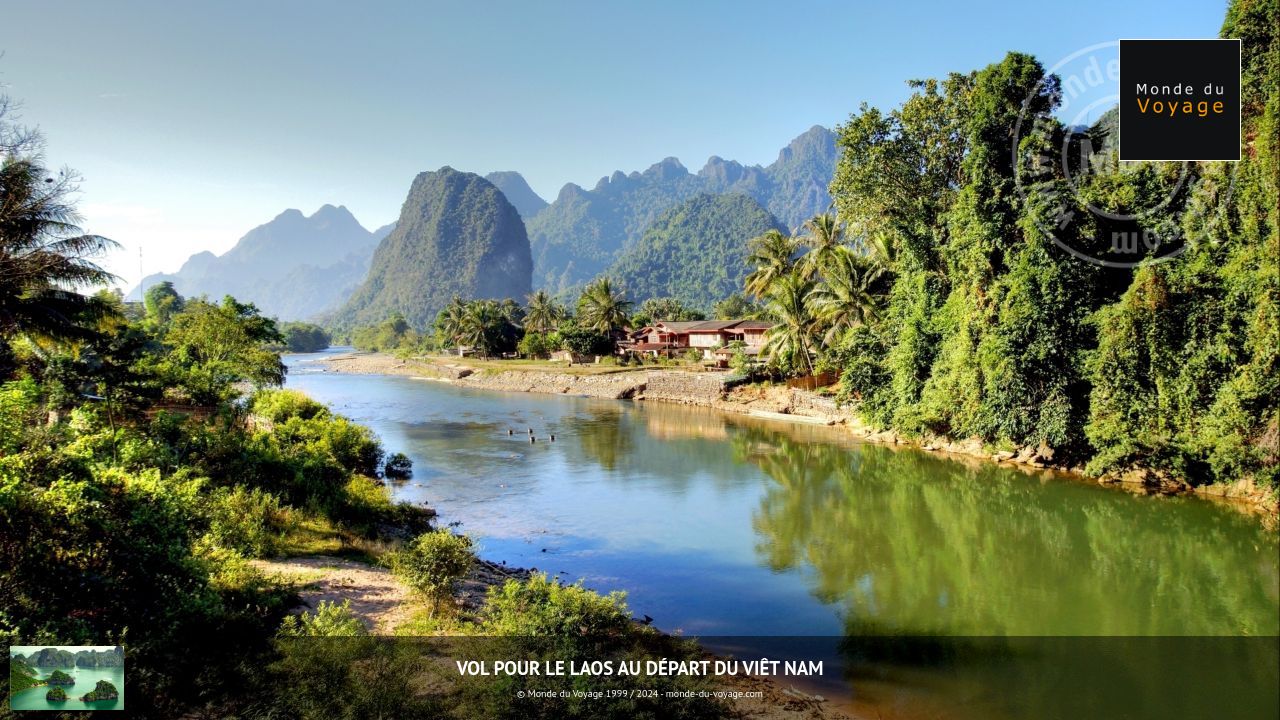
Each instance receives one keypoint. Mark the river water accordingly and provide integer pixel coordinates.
(927, 581)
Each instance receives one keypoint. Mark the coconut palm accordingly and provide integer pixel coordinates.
(793, 331)
(846, 297)
(602, 307)
(773, 255)
(45, 257)
(482, 324)
(450, 321)
(543, 313)
(823, 235)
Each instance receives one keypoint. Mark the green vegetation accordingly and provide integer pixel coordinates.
(300, 337)
(583, 232)
(693, 252)
(21, 675)
(56, 694)
(433, 562)
(57, 677)
(956, 315)
(457, 236)
(104, 690)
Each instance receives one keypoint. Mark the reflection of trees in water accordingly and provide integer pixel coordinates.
(909, 543)
(667, 444)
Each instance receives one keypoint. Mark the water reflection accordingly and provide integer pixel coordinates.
(906, 543)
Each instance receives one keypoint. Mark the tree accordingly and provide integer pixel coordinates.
(789, 342)
(665, 308)
(773, 255)
(44, 255)
(543, 314)
(823, 235)
(485, 327)
(215, 346)
(449, 321)
(846, 297)
(602, 307)
(162, 302)
(735, 307)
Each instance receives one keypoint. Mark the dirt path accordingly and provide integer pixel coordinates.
(380, 600)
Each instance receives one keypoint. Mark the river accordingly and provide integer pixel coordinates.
(932, 584)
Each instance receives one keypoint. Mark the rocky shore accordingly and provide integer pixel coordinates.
(709, 389)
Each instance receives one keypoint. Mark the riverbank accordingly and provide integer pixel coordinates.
(776, 402)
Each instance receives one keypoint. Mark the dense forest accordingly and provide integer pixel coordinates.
(694, 251)
(987, 329)
(584, 231)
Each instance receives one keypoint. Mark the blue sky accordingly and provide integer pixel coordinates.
(193, 122)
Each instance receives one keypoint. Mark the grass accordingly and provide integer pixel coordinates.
(318, 536)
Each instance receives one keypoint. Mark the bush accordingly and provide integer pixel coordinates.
(329, 619)
(543, 607)
(398, 466)
(433, 562)
(248, 520)
(536, 345)
(280, 405)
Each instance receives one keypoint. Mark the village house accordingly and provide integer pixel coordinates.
(710, 337)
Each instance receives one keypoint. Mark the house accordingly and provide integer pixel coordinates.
(667, 338)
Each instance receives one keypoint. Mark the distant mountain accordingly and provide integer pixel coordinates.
(293, 267)
(512, 184)
(457, 235)
(583, 231)
(695, 252)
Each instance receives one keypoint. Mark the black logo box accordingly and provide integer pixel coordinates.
(1177, 72)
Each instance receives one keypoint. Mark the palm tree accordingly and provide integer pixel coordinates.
(773, 255)
(793, 330)
(846, 297)
(481, 325)
(602, 307)
(45, 257)
(450, 320)
(543, 313)
(823, 235)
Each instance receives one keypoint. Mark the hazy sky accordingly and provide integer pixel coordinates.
(193, 122)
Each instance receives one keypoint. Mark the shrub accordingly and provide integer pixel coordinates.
(56, 694)
(543, 607)
(398, 466)
(280, 405)
(248, 520)
(433, 562)
(329, 619)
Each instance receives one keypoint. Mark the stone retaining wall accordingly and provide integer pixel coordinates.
(617, 386)
(688, 388)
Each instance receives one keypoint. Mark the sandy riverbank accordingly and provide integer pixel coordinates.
(765, 401)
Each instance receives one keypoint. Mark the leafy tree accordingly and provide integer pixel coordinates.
(602, 307)
(434, 562)
(736, 307)
(301, 337)
(215, 346)
(162, 301)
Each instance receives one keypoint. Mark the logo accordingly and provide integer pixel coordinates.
(1118, 213)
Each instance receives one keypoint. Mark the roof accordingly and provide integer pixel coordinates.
(712, 326)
